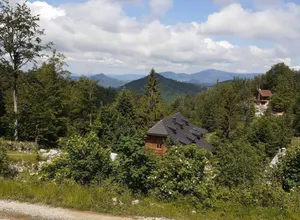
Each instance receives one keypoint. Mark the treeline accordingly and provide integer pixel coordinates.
(52, 106)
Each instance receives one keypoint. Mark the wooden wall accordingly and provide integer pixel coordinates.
(154, 142)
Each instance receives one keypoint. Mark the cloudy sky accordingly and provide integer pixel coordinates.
(132, 36)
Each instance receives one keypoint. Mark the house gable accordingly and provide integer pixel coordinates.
(180, 130)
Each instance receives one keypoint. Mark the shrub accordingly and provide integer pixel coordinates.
(134, 164)
(289, 167)
(183, 172)
(5, 169)
(239, 163)
(84, 161)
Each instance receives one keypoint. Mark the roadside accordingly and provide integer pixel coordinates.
(16, 210)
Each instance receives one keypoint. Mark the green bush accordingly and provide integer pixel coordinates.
(5, 169)
(289, 168)
(184, 173)
(84, 161)
(238, 163)
(134, 164)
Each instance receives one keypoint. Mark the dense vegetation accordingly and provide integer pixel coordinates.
(88, 122)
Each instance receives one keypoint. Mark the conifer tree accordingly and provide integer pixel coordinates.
(152, 98)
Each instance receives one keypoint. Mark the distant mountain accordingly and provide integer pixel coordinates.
(176, 76)
(103, 80)
(126, 77)
(170, 88)
(106, 81)
(207, 77)
(203, 78)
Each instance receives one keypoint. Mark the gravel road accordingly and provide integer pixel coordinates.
(23, 211)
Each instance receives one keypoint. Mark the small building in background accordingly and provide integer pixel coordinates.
(179, 130)
(264, 96)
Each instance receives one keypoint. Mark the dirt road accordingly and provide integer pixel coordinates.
(16, 211)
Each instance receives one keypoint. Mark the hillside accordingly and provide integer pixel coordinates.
(126, 77)
(207, 77)
(106, 81)
(170, 89)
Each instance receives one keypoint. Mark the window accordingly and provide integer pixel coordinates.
(159, 146)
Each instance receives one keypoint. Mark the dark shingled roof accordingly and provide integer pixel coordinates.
(179, 129)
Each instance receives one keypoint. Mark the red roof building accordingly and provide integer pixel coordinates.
(264, 96)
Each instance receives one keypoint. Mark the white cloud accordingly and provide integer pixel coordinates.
(296, 68)
(270, 24)
(46, 11)
(160, 7)
(98, 36)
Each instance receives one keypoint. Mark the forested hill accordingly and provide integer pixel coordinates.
(170, 89)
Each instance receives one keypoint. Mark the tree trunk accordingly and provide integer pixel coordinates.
(15, 97)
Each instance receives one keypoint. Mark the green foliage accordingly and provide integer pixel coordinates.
(41, 102)
(271, 132)
(238, 163)
(182, 173)
(20, 43)
(224, 107)
(281, 80)
(113, 127)
(5, 169)
(134, 164)
(3, 160)
(84, 100)
(153, 106)
(125, 104)
(290, 166)
(296, 122)
(83, 161)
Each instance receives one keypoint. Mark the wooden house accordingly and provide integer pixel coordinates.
(263, 96)
(179, 130)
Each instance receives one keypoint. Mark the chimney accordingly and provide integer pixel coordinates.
(174, 120)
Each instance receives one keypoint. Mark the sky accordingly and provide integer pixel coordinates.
(184, 36)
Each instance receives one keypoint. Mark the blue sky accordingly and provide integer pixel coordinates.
(132, 36)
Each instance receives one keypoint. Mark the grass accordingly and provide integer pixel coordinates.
(100, 199)
(28, 157)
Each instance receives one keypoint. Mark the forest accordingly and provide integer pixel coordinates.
(43, 108)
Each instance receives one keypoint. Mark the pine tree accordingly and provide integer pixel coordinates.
(153, 100)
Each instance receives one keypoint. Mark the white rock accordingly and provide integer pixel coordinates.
(135, 202)
(113, 156)
(115, 201)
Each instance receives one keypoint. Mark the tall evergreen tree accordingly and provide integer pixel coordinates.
(153, 101)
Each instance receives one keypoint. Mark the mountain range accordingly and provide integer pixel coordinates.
(204, 78)
(207, 77)
(170, 89)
